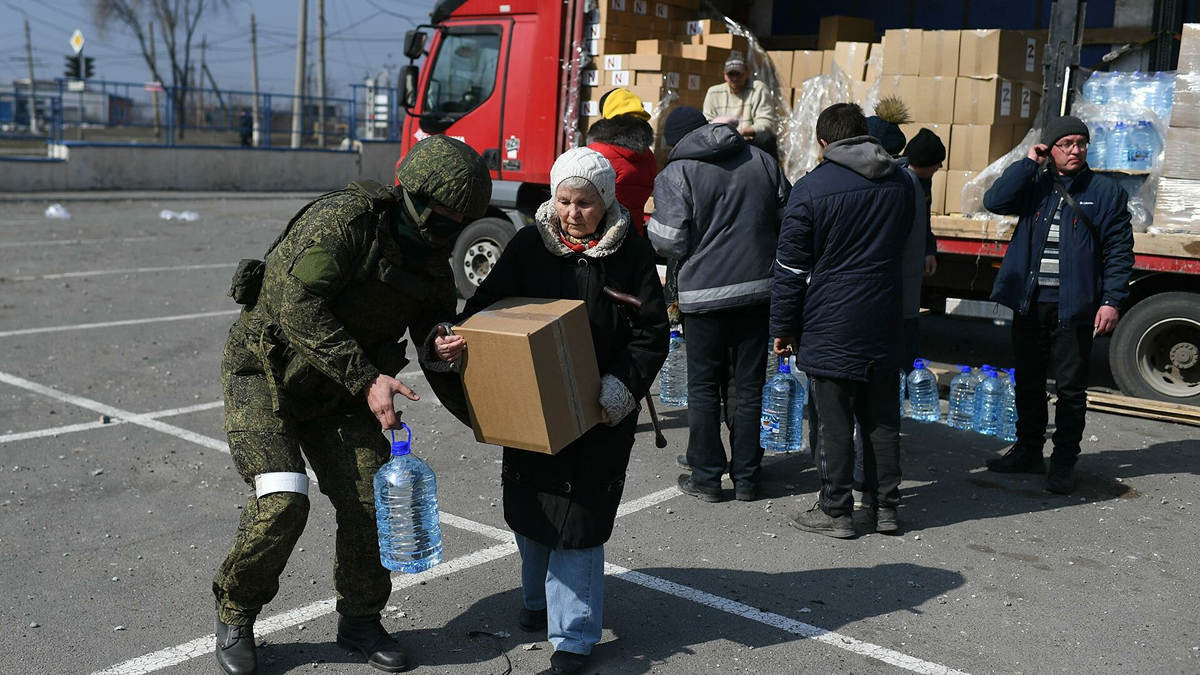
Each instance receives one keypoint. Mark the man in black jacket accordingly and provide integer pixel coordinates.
(717, 205)
(836, 302)
(1065, 275)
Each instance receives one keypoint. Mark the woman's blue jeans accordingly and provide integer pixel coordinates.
(569, 585)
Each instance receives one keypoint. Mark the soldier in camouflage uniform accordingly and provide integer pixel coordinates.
(307, 370)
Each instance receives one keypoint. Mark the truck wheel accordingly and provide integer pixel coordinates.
(477, 249)
(1155, 352)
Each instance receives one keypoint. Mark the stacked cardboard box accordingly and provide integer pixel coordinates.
(978, 90)
(1179, 187)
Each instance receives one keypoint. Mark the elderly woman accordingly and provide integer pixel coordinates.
(562, 506)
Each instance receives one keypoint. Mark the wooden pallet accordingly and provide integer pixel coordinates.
(958, 227)
(1117, 404)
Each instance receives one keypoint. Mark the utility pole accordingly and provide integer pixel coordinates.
(154, 94)
(298, 101)
(254, 77)
(320, 70)
(33, 125)
(200, 81)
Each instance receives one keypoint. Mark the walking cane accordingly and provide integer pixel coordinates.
(626, 299)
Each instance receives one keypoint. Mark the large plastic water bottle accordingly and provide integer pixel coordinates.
(1099, 144)
(923, 393)
(406, 511)
(673, 378)
(961, 413)
(1096, 88)
(1115, 151)
(782, 419)
(1140, 146)
(988, 403)
(1164, 95)
(1008, 411)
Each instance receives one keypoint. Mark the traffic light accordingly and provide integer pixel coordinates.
(88, 71)
(73, 67)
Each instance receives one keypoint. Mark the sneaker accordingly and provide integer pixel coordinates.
(817, 521)
(686, 487)
(1061, 479)
(745, 492)
(1018, 460)
(567, 662)
(681, 462)
(886, 521)
(532, 620)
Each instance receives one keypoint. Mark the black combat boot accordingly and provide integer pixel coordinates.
(235, 649)
(1018, 460)
(532, 620)
(567, 662)
(817, 521)
(1061, 479)
(369, 637)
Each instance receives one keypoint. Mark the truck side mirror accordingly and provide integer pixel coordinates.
(408, 86)
(414, 43)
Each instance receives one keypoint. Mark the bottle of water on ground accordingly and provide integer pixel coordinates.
(782, 425)
(673, 378)
(406, 511)
(1008, 412)
(988, 403)
(923, 393)
(961, 413)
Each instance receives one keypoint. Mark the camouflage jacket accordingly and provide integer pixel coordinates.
(340, 289)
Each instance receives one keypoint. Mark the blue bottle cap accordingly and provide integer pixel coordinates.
(674, 333)
(964, 369)
(920, 363)
(992, 373)
(401, 447)
(986, 368)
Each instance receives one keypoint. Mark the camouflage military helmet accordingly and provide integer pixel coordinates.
(449, 172)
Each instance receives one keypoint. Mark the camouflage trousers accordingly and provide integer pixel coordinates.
(344, 451)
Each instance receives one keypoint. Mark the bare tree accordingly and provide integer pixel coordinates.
(177, 22)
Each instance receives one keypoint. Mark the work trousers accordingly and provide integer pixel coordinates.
(569, 584)
(837, 404)
(1039, 341)
(345, 452)
(714, 340)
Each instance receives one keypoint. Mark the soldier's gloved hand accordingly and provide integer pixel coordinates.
(380, 393)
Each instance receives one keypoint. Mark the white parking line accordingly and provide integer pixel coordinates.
(73, 242)
(87, 426)
(132, 270)
(110, 324)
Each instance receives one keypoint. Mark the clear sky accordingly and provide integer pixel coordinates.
(362, 36)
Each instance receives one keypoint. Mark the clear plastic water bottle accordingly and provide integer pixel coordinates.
(1096, 88)
(988, 403)
(961, 412)
(796, 426)
(1116, 147)
(673, 378)
(1164, 95)
(406, 511)
(903, 391)
(1008, 411)
(781, 428)
(923, 393)
(1099, 144)
(1139, 147)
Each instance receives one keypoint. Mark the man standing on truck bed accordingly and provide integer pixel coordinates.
(747, 100)
(1065, 276)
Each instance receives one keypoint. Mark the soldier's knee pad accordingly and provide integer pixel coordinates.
(285, 491)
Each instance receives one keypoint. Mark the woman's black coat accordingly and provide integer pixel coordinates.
(571, 498)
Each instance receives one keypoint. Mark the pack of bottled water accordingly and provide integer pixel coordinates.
(1124, 136)
(406, 511)
(782, 418)
(673, 378)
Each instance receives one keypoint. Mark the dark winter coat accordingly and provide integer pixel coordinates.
(717, 207)
(837, 269)
(920, 243)
(1091, 273)
(625, 142)
(572, 497)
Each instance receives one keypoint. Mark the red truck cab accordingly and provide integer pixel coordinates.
(501, 76)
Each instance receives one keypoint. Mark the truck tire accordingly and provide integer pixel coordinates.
(477, 249)
(1155, 352)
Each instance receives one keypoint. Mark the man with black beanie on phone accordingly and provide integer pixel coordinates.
(1065, 275)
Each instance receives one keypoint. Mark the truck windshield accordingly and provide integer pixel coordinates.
(464, 72)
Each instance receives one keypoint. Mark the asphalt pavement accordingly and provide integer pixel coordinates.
(118, 500)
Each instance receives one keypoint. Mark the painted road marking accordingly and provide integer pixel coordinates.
(132, 270)
(88, 426)
(110, 324)
(73, 242)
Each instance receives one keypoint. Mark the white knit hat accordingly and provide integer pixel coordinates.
(589, 165)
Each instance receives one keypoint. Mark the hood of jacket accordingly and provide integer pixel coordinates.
(622, 131)
(615, 226)
(710, 142)
(862, 155)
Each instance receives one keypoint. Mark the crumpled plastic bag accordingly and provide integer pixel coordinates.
(57, 212)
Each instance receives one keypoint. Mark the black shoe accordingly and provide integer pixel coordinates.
(567, 662)
(817, 521)
(532, 620)
(1061, 479)
(681, 462)
(1018, 460)
(235, 649)
(368, 637)
(686, 487)
(886, 521)
(745, 492)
